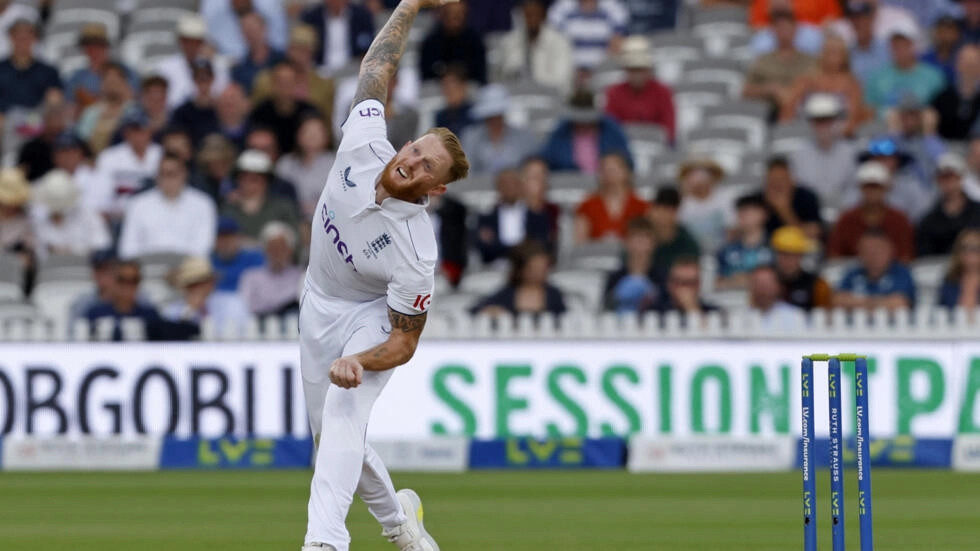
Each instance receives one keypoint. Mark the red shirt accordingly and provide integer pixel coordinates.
(814, 12)
(602, 224)
(653, 104)
(851, 225)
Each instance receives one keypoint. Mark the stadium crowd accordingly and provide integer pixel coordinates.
(213, 146)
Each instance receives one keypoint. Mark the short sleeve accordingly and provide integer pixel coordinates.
(365, 124)
(847, 282)
(410, 292)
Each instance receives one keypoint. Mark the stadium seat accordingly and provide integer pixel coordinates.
(735, 300)
(159, 14)
(607, 73)
(671, 50)
(133, 48)
(833, 270)
(754, 163)
(455, 305)
(159, 265)
(747, 115)
(93, 12)
(594, 256)
(54, 298)
(930, 271)
(725, 145)
(152, 25)
(158, 291)
(647, 141)
(723, 71)
(717, 26)
(64, 267)
(560, 181)
(692, 98)
(666, 165)
(154, 53)
(789, 137)
(587, 284)
(11, 278)
(482, 283)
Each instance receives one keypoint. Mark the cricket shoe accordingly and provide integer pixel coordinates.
(411, 534)
(317, 547)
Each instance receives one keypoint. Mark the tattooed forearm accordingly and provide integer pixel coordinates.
(406, 324)
(400, 346)
(381, 61)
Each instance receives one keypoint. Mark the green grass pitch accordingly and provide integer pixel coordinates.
(557, 510)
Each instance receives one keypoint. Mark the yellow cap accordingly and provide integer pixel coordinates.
(791, 239)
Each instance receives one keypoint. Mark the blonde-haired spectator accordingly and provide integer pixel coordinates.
(961, 288)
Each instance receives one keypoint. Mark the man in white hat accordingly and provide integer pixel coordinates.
(195, 278)
(953, 211)
(252, 205)
(61, 224)
(641, 98)
(905, 75)
(873, 212)
(490, 143)
(367, 294)
(192, 34)
(827, 163)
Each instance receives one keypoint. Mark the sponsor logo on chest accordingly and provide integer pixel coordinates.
(328, 216)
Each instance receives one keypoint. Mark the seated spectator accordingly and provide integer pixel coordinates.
(230, 258)
(537, 51)
(36, 157)
(306, 166)
(673, 239)
(252, 206)
(527, 290)
(583, 137)
(748, 248)
(71, 155)
(647, 17)
(263, 138)
(63, 226)
(605, 213)
(16, 232)
(971, 22)
(310, 86)
(959, 104)
(170, 217)
(232, 109)
(282, 112)
(946, 41)
(801, 287)
(177, 142)
(879, 281)
(873, 212)
(98, 122)
(350, 20)
(260, 55)
(215, 168)
(766, 297)
(153, 102)
(491, 145)
(274, 287)
(789, 204)
(811, 12)
(971, 181)
(122, 301)
(125, 168)
(684, 289)
(195, 278)
(909, 190)
(84, 86)
(28, 81)
(641, 98)
(869, 52)
(449, 219)
(198, 114)
(905, 75)
(706, 211)
(452, 42)
(771, 77)
(402, 119)
(455, 115)
(951, 214)
(534, 175)
(961, 287)
(595, 28)
(914, 128)
(103, 266)
(192, 32)
(224, 27)
(826, 164)
(809, 36)
(831, 76)
(10, 13)
(884, 18)
(632, 288)
(510, 223)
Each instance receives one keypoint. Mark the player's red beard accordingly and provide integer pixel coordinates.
(406, 190)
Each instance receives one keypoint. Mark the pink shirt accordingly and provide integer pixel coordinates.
(585, 150)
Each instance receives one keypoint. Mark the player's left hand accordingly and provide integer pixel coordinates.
(346, 372)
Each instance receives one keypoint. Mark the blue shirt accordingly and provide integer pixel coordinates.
(865, 63)
(88, 80)
(245, 71)
(808, 39)
(949, 294)
(736, 258)
(947, 67)
(141, 311)
(226, 34)
(26, 87)
(230, 270)
(888, 85)
(897, 279)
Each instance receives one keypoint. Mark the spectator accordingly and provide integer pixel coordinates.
(872, 213)
(910, 191)
(879, 281)
(534, 175)
(153, 102)
(959, 104)
(971, 182)
(673, 239)
(605, 213)
(124, 169)
(826, 164)
(170, 217)
(884, 19)
(402, 119)
(684, 289)
(789, 204)
(812, 12)
(177, 142)
(176, 68)
(99, 121)
(36, 156)
(766, 297)
(905, 75)
(310, 86)
(771, 76)
(869, 53)
(28, 81)
(16, 232)
(263, 138)
(84, 86)
(11, 13)
(122, 301)
(706, 211)
(914, 126)
(452, 42)
(951, 214)
(641, 98)
(230, 258)
(306, 166)
(647, 17)
(448, 217)
(252, 206)
(583, 137)
(631, 288)
(455, 115)
(198, 114)
(510, 223)
(231, 108)
(282, 112)
(971, 21)
(260, 54)
(344, 31)
(801, 287)
(490, 143)
(832, 76)
(595, 28)
(223, 19)
(749, 246)
(216, 164)
(62, 225)
(946, 41)
(103, 266)
(71, 155)
(537, 51)
(927, 13)
(491, 16)
(274, 288)
(808, 38)
(527, 290)
(195, 278)
(961, 287)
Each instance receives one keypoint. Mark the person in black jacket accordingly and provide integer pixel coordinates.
(360, 31)
(953, 212)
(959, 104)
(450, 42)
(510, 222)
(527, 290)
(449, 218)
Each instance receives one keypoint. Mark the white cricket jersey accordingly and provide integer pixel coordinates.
(360, 250)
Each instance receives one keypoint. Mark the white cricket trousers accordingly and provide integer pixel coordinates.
(345, 463)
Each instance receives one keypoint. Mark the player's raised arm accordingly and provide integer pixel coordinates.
(382, 58)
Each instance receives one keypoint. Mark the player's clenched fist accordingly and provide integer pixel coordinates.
(346, 372)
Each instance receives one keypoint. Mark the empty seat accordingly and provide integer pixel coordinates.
(789, 137)
(161, 14)
(725, 145)
(692, 98)
(89, 14)
(602, 256)
(54, 298)
(64, 267)
(646, 142)
(159, 265)
(572, 181)
(585, 284)
(747, 115)
(133, 47)
(482, 283)
(671, 50)
(929, 271)
(717, 26)
(723, 71)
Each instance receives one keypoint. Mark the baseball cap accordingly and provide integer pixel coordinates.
(227, 225)
(135, 117)
(905, 29)
(255, 161)
(873, 172)
(951, 162)
(67, 140)
(792, 240)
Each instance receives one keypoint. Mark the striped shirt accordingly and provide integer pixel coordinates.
(589, 31)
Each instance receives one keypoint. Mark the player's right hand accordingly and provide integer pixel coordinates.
(346, 372)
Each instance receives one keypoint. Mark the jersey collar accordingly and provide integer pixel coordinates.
(396, 208)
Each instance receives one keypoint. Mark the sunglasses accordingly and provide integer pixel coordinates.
(685, 282)
(128, 280)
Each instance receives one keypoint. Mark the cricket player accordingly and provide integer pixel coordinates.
(367, 291)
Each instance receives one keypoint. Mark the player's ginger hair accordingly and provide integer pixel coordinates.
(461, 165)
